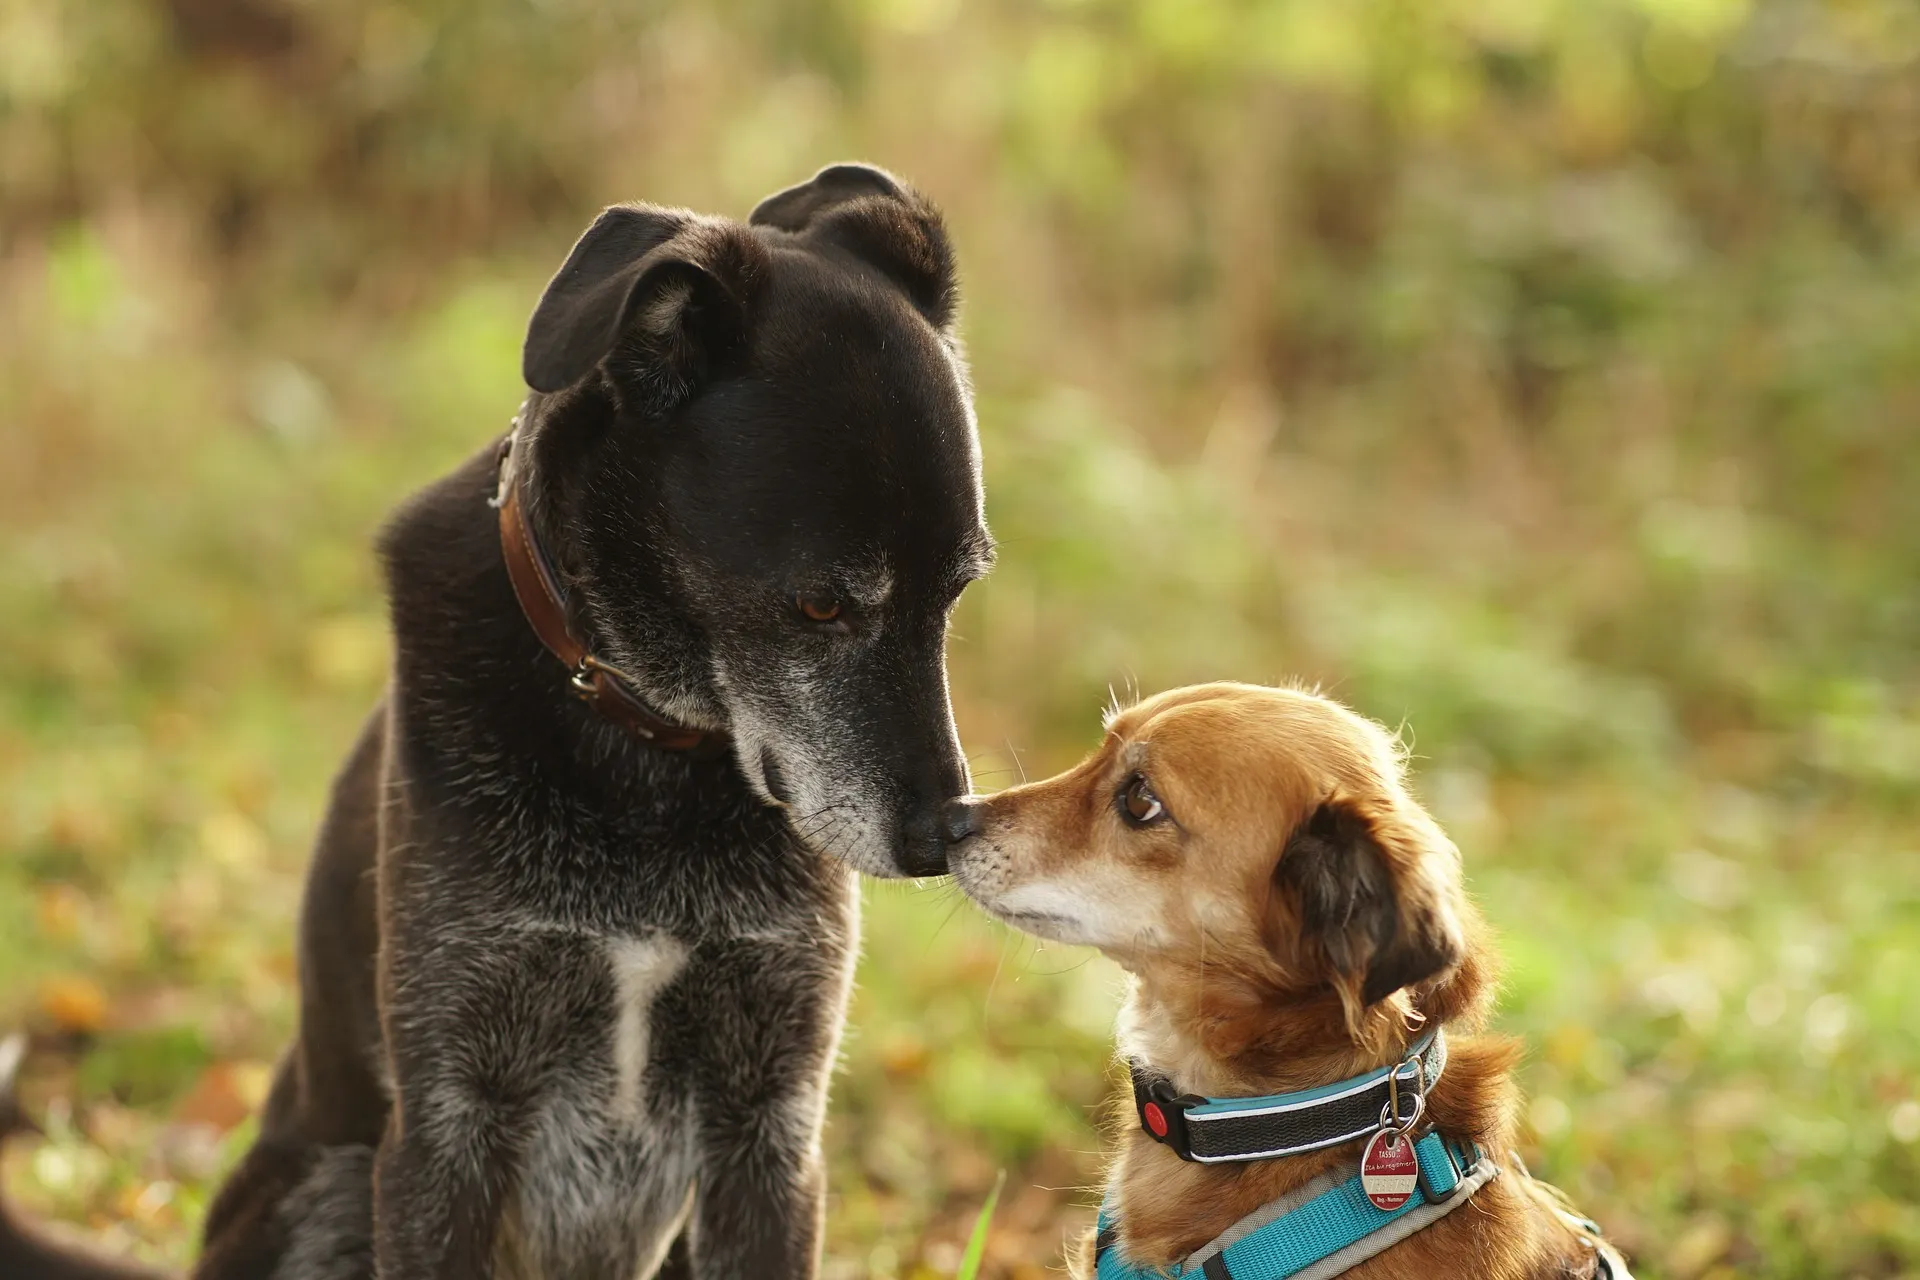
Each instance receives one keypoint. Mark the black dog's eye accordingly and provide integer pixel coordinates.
(819, 608)
(1138, 805)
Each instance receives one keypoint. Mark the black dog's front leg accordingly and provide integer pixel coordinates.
(472, 1032)
(759, 1211)
(762, 1099)
(436, 1206)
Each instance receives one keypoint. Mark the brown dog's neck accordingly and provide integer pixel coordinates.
(1218, 1031)
(1227, 1039)
(1218, 1043)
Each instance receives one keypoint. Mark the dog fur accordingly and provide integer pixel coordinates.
(566, 997)
(1290, 917)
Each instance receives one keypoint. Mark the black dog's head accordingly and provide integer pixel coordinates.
(753, 456)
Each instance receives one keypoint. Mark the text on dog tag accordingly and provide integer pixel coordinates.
(1389, 1169)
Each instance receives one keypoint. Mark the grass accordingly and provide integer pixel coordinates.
(977, 1242)
(1713, 964)
(1536, 378)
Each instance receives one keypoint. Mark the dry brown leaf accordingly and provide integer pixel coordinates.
(57, 912)
(74, 1003)
(904, 1055)
(225, 1094)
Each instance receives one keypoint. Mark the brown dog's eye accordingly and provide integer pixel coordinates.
(1138, 805)
(819, 608)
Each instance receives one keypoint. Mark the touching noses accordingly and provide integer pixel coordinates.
(960, 820)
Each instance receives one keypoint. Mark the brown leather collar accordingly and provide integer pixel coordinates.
(606, 689)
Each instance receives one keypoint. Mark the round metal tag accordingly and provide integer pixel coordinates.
(1389, 1169)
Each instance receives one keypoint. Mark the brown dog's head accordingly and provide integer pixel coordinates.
(1260, 841)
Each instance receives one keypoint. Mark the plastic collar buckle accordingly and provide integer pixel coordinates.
(1163, 1114)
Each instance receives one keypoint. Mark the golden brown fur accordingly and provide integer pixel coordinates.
(1288, 871)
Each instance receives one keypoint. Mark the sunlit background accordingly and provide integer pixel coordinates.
(1540, 375)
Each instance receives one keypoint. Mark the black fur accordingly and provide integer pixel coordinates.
(1337, 872)
(871, 219)
(565, 996)
(697, 271)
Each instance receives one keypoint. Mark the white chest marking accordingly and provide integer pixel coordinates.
(642, 969)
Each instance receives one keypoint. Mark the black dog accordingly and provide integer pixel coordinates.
(573, 968)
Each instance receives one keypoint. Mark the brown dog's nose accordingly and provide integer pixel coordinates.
(960, 820)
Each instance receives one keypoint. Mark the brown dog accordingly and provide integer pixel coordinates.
(1290, 918)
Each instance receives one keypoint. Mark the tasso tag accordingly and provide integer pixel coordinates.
(1389, 1169)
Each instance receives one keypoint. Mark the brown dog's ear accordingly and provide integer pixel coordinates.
(1356, 891)
(662, 291)
(872, 215)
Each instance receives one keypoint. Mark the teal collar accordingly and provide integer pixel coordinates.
(1320, 1230)
(1221, 1130)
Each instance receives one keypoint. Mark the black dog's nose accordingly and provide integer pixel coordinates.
(923, 845)
(960, 820)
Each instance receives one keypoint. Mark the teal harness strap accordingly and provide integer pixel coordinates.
(1333, 1223)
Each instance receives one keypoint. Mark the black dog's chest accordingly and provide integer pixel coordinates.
(611, 1151)
(648, 861)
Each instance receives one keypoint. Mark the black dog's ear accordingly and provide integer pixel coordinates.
(879, 219)
(663, 288)
(1379, 934)
(837, 184)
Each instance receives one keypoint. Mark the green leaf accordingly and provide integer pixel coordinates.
(977, 1243)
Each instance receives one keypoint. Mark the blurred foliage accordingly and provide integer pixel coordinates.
(1541, 374)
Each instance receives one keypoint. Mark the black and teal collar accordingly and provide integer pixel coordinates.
(1222, 1130)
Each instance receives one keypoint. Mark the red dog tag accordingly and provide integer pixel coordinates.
(1389, 1169)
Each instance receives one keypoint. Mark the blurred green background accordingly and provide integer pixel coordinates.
(1540, 375)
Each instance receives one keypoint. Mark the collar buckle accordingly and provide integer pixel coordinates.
(1163, 1112)
(585, 687)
